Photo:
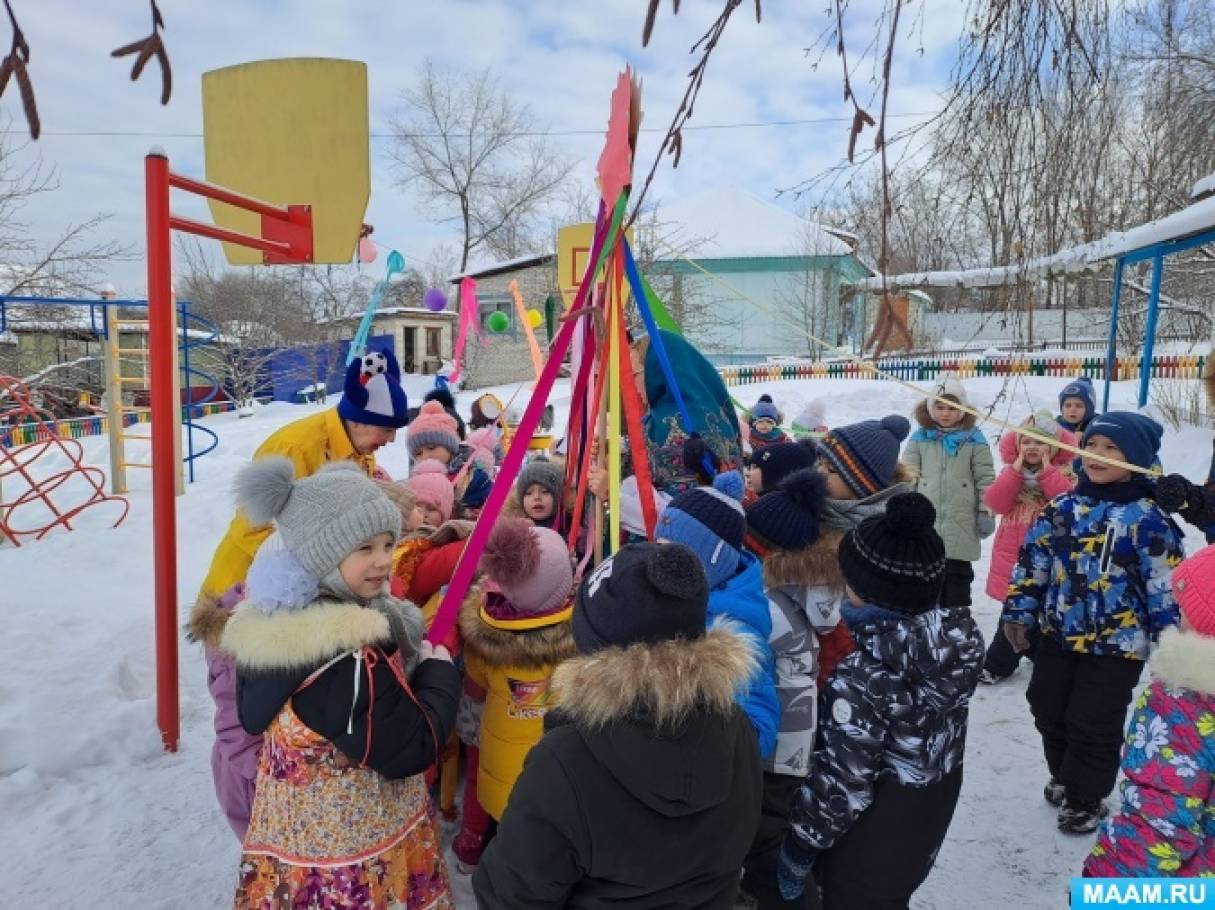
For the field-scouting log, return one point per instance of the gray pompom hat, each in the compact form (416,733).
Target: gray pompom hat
(321,519)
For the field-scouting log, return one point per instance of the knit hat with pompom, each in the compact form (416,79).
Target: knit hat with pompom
(711,523)
(866,454)
(531,566)
(433,427)
(788,517)
(896,560)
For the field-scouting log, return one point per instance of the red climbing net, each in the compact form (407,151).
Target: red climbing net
(78,486)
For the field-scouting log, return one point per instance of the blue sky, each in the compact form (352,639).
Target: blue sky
(557,56)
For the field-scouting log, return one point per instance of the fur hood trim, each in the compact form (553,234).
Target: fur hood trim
(530,649)
(207,621)
(1185,660)
(816,564)
(287,639)
(665,682)
(924,419)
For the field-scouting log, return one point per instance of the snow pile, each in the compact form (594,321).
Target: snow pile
(95,813)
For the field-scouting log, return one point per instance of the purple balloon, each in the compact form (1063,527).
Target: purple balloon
(435,300)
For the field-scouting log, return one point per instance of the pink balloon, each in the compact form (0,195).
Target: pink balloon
(367,250)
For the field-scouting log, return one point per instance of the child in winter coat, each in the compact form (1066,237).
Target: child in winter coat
(772,464)
(1166,825)
(234,753)
(1193,503)
(797,530)
(1077,405)
(1093,577)
(352,704)
(876,806)
(711,523)
(645,789)
(1035,472)
(764,422)
(954,464)
(434,493)
(516,630)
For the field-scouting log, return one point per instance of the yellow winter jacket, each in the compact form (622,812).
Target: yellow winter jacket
(309,443)
(512,660)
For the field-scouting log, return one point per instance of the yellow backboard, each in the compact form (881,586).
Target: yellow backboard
(291,131)
(573,257)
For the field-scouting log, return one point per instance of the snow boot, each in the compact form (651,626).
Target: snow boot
(1081,816)
(1054,792)
(467,846)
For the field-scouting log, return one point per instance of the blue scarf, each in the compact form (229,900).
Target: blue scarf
(952,440)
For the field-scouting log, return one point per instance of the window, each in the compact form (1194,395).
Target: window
(434,342)
(495,303)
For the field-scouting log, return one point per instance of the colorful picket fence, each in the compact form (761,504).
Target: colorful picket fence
(98,425)
(1171,366)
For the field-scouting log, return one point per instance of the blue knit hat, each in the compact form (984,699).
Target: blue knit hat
(1137,436)
(866,454)
(765,409)
(1082,389)
(372,393)
(711,523)
(788,519)
(778,461)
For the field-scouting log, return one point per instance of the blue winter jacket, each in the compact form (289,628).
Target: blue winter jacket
(742,600)
(1094,573)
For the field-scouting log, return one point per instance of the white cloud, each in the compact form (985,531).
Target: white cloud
(559,57)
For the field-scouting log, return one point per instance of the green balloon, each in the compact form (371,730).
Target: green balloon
(498,322)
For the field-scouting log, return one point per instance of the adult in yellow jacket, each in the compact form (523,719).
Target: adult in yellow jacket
(372,409)
(516,630)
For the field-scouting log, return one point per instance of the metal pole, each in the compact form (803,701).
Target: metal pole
(1149,342)
(113,393)
(161,345)
(1111,350)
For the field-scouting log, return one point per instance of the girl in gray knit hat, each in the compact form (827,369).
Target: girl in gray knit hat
(352,704)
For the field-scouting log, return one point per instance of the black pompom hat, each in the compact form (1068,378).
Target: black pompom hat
(896,560)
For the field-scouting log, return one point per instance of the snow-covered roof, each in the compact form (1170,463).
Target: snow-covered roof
(508,265)
(1193,219)
(1203,188)
(736,224)
(400,311)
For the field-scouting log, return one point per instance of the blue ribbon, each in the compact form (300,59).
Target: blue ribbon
(358,344)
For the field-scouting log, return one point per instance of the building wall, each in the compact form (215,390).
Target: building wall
(506,357)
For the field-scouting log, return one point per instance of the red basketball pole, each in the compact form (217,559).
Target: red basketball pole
(288,239)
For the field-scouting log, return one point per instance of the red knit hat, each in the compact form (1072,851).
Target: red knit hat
(1193,585)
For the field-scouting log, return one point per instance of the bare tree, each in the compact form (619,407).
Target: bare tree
(479,157)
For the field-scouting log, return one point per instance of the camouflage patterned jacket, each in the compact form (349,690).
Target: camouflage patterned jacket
(897,705)
(1094,571)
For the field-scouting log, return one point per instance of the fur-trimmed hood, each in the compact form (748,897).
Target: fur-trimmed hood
(1185,660)
(816,564)
(924,419)
(529,649)
(208,619)
(666,683)
(296,639)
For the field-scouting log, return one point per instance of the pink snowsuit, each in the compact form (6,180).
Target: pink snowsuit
(235,753)
(1004,497)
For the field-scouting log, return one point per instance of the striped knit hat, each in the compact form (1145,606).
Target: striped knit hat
(711,523)
(896,560)
(866,454)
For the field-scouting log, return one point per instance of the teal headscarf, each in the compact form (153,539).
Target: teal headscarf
(708,405)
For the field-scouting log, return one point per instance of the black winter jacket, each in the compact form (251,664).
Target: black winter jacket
(645,790)
(276,652)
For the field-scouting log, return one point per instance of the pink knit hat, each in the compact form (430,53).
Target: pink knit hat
(432,427)
(530,565)
(1194,589)
(486,445)
(430,484)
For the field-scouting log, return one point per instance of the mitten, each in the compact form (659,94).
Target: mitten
(1173,492)
(796,860)
(985,524)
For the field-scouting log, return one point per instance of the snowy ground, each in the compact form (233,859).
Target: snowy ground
(94,814)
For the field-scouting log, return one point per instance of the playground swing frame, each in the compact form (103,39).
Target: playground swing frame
(286,238)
